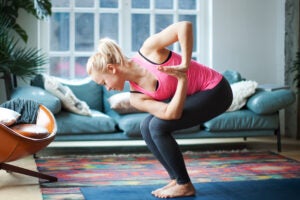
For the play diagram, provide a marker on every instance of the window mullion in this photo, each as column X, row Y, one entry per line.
column 125, row 26
column 152, row 18
column 72, row 40
column 176, row 19
column 96, row 25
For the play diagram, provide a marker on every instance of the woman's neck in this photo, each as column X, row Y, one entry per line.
column 141, row 76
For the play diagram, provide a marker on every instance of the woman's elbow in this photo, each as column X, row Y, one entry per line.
column 187, row 24
column 173, row 116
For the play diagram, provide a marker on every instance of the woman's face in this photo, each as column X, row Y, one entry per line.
column 112, row 80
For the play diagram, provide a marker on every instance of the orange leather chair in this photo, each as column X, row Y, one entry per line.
column 27, row 139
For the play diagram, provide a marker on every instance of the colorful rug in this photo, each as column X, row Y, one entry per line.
column 75, row 171
column 270, row 189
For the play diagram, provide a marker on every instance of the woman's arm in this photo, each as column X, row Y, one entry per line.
column 168, row 111
column 181, row 32
column 154, row 47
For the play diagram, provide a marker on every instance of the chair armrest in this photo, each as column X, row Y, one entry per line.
column 38, row 94
column 268, row 102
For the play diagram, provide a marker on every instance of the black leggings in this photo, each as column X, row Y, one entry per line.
column 198, row 108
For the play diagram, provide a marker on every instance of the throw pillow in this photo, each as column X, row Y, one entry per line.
column 241, row 92
column 69, row 101
column 120, row 102
column 8, row 116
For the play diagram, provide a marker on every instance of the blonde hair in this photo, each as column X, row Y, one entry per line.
column 108, row 52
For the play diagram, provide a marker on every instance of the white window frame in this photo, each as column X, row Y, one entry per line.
column 203, row 52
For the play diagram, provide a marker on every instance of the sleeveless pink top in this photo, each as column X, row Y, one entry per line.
column 199, row 77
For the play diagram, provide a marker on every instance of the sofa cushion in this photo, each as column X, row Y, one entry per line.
column 130, row 123
column 242, row 120
column 268, row 102
column 71, row 123
column 38, row 94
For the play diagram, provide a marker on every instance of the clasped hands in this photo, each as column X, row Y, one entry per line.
column 178, row 71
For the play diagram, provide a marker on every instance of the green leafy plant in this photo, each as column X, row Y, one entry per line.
column 10, row 10
column 17, row 60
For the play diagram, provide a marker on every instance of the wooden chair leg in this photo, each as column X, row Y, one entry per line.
column 12, row 168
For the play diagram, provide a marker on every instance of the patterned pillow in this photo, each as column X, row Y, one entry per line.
column 69, row 101
column 241, row 92
column 120, row 102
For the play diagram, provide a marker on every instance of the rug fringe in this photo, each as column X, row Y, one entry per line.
column 144, row 154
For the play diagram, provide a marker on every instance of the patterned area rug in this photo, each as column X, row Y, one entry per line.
column 76, row 171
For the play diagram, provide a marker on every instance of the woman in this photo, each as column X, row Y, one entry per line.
column 175, row 90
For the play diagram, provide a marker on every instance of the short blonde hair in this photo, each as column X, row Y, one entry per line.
column 108, row 52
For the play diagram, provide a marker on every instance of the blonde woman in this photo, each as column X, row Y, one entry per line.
column 175, row 90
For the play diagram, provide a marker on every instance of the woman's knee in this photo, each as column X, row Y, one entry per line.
column 159, row 127
column 144, row 126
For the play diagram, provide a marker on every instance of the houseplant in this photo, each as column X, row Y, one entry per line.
column 296, row 69
column 16, row 60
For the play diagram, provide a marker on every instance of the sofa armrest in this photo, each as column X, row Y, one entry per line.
column 38, row 94
column 268, row 102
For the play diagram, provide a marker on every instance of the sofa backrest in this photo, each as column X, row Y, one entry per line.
column 88, row 91
column 96, row 96
column 232, row 76
column 84, row 89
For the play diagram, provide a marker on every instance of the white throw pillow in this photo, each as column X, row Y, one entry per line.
column 64, row 93
column 8, row 116
column 241, row 92
column 120, row 102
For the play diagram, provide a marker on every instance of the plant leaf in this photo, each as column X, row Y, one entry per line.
column 20, row 61
column 22, row 33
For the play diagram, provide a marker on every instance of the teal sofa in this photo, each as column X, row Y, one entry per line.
column 259, row 117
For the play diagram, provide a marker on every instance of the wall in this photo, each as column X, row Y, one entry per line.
column 248, row 36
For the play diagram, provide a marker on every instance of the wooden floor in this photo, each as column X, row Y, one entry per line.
column 20, row 187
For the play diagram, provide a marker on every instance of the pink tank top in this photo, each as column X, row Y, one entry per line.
column 199, row 77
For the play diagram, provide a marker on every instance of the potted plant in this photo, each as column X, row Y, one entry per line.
column 15, row 60
column 296, row 69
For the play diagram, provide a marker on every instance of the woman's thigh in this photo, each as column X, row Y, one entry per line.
column 199, row 108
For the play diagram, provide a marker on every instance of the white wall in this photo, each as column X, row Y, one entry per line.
column 248, row 36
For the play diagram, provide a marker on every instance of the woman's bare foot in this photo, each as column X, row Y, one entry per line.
column 170, row 184
column 177, row 191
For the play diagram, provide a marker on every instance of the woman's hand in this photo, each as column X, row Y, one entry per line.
column 178, row 71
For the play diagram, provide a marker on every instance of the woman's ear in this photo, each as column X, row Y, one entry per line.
column 111, row 68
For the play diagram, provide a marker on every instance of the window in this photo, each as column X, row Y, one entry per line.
column 72, row 33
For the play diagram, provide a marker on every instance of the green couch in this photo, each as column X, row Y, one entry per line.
column 259, row 117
